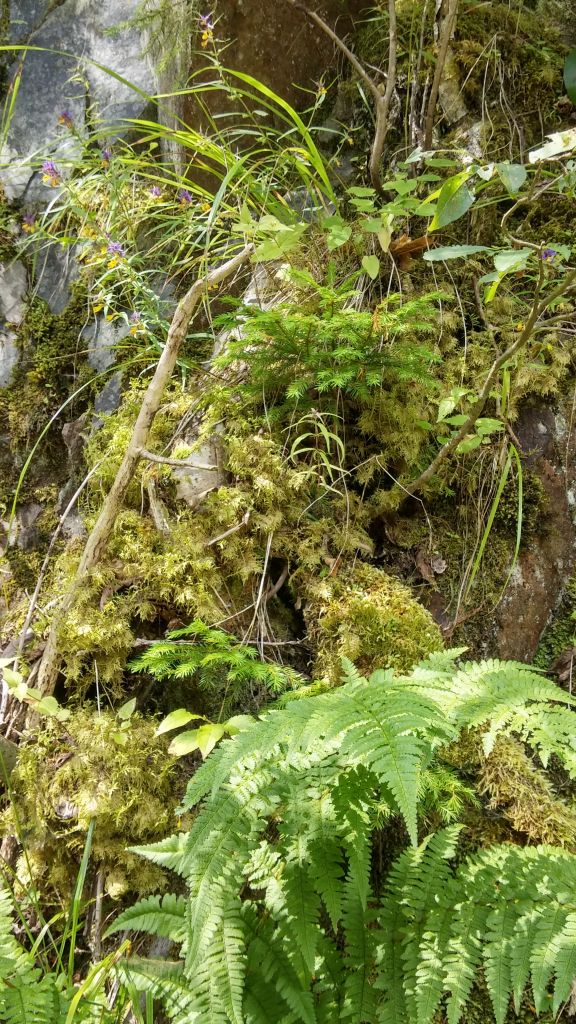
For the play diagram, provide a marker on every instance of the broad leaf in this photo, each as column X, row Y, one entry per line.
column 453, row 252
column 512, row 176
column 371, row 265
column 454, row 200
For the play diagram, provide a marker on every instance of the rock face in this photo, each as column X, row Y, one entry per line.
column 49, row 83
column 13, row 284
column 547, row 564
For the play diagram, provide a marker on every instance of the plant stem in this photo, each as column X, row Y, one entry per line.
column 446, row 29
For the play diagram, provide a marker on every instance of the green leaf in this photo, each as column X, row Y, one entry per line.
column 238, row 723
column 176, row 719
column 485, row 425
column 127, row 709
column 338, row 232
column 570, row 76
column 208, row 736
column 512, row 176
column 371, row 265
column 454, row 200
column 445, row 408
column 453, row 252
column 401, row 185
column 185, row 743
column 508, row 260
column 468, row 444
column 362, row 191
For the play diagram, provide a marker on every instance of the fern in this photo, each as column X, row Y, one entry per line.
column 287, row 918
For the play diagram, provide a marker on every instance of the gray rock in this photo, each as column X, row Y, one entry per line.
column 48, row 84
column 109, row 398
column 55, row 270
column 204, row 475
column 13, row 284
column 9, row 355
column 102, row 337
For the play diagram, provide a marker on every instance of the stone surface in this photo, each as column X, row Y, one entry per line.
column 102, row 337
column 13, row 285
column 49, row 85
column 547, row 563
column 55, row 269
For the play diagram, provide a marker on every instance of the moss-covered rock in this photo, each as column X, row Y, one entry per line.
column 370, row 617
column 88, row 769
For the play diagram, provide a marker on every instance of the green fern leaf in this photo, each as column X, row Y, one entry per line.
column 157, row 915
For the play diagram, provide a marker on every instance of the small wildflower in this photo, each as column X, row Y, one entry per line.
column 207, row 26
column 138, row 325
column 115, row 249
column 50, row 174
column 65, row 118
column 185, row 197
column 548, row 255
column 106, row 158
column 156, row 192
column 205, row 207
column 520, row 327
column 29, row 223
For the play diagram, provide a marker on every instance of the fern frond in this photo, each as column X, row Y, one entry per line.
column 157, row 915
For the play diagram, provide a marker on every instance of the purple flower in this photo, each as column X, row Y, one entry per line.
column 135, row 316
column 50, row 173
column 185, row 197
column 116, row 249
column 548, row 254
column 65, row 118
column 156, row 191
column 106, row 157
column 29, row 223
column 206, row 22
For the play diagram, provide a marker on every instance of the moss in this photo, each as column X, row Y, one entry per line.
column 526, row 797
column 371, row 618
column 71, row 774
column 51, row 369
column 561, row 633
column 535, row 506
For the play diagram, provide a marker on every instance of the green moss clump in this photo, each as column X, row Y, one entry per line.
column 371, row 618
column 81, row 771
column 561, row 634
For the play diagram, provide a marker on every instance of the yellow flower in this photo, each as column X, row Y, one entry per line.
column 207, row 37
column 520, row 327
column 112, row 263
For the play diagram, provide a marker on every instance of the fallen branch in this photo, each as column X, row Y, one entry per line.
column 102, row 530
